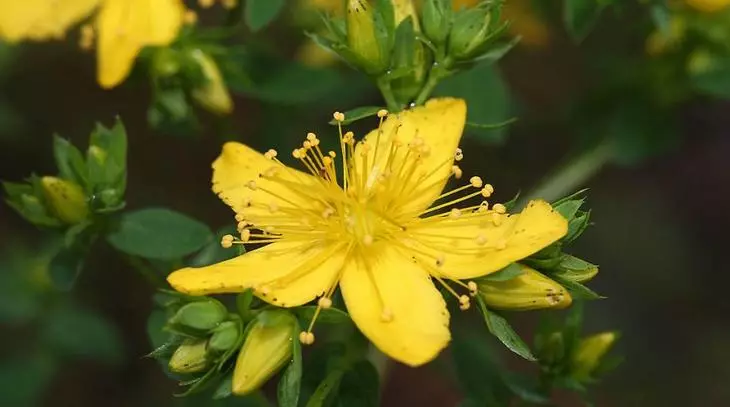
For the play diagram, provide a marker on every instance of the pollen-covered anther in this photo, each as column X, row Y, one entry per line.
column 327, row 161
column 464, row 302
column 241, row 226
column 245, row 235
column 488, row 190
column 496, row 219
column 306, row 338
column 483, row 207
column 227, row 241
column 239, row 217
column 455, row 213
column 499, row 208
column 348, row 138
column 457, row 171
column 382, row 113
column 324, row 302
column 472, row 288
column 311, row 136
column 458, row 155
column 386, row 315
column 332, row 154
column 271, row 154
column 339, row 116
column 476, row 182
column 307, row 144
column 367, row 240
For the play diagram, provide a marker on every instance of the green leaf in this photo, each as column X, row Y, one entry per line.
column 260, row 13
column 360, row 386
column 78, row 332
column 577, row 290
column 326, row 388
column 500, row 328
column 213, row 252
column 155, row 328
column 243, row 305
column 69, row 161
column 507, row 273
column 487, row 98
column 476, row 368
column 65, row 268
column 580, row 16
column 225, row 389
column 158, row 233
column 112, row 173
column 357, row 114
column 330, row 315
column 291, row 380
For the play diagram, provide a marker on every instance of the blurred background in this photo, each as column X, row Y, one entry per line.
column 615, row 113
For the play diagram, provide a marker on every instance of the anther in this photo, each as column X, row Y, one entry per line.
column 307, row 144
column 386, row 315
column 348, row 137
column 472, row 288
column 227, row 241
column 332, row 154
column 311, row 136
column 458, row 155
column 339, row 116
column 382, row 113
column 456, row 171
column 476, row 182
column 489, row 190
column 483, row 207
column 455, row 213
column 499, row 208
column 464, row 302
column 325, row 302
column 245, row 235
column 270, row 154
column 241, row 225
column 239, row 217
column 306, row 338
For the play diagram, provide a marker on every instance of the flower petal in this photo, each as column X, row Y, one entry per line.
column 476, row 246
column 41, row 19
column 440, row 123
column 127, row 26
column 286, row 274
column 419, row 328
column 239, row 164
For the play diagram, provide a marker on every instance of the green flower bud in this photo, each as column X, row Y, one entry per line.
column 97, row 154
column 575, row 269
column 404, row 9
column 409, row 64
column 363, row 39
column 66, row 200
column 470, row 31
column 166, row 62
column 200, row 315
column 190, row 357
column 266, row 349
column 553, row 349
column 528, row 291
column 224, row 337
column 590, row 351
column 436, row 18
column 213, row 94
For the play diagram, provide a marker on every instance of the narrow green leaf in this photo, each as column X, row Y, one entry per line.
column 243, row 305
column 291, row 380
column 500, row 328
column 158, row 233
column 225, row 389
column 507, row 273
column 577, row 290
column 327, row 388
column 260, row 13
column 358, row 113
column 69, row 161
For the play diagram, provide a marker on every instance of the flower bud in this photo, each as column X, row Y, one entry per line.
column 200, row 315
column 470, row 31
column 166, row 62
column 590, row 351
column 574, row 269
column 213, row 94
column 190, row 357
column 97, row 154
column 553, row 349
column 265, row 350
column 528, row 291
column 409, row 62
column 224, row 337
column 404, row 9
column 66, row 200
column 436, row 18
column 363, row 40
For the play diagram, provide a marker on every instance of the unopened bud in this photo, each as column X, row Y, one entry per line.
column 362, row 38
column 590, row 351
column 224, row 337
column 404, row 9
column 470, row 31
column 436, row 18
column 66, row 200
column 528, row 291
column 212, row 94
column 200, row 315
column 267, row 347
column 190, row 357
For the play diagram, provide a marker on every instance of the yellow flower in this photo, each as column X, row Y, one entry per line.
column 124, row 27
column 530, row 290
column 708, row 6
column 379, row 227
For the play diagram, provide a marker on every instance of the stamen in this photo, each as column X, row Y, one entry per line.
column 227, row 241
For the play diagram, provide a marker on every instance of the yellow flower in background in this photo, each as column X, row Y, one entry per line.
column 379, row 227
column 123, row 27
column 708, row 6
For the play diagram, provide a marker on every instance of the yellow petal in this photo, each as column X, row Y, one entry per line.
column 127, row 26
column 473, row 247
column 286, row 274
column 419, row 327
column 440, row 123
column 239, row 164
column 41, row 19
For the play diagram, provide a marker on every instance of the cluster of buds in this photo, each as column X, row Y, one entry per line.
column 186, row 75
column 408, row 50
column 84, row 186
column 205, row 338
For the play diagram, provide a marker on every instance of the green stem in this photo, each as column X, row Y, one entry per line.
column 438, row 72
column 573, row 175
column 387, row 92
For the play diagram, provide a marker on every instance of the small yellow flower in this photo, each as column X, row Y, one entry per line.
column 590, row 352
column 708, row 6
column 379, row 227
column 123, row 27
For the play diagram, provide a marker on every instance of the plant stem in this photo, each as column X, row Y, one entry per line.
column 387, row 92
column 439, row 71
column 572, row 175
